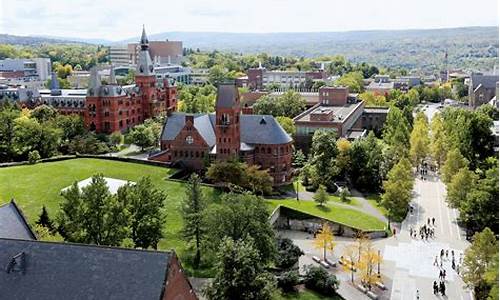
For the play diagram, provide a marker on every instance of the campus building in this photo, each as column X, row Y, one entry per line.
column 107, row 108
column 260, row 77
column 26, row 69
column 190, row 140
column 161, row 53
column 338, row 111
column 482, row 89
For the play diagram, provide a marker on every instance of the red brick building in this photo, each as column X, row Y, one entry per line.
column 107, row 108
column 193, row 139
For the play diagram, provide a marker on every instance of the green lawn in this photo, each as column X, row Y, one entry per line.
column 333, row 212
column 35, row 185
column 305, row 295
column 374, row 200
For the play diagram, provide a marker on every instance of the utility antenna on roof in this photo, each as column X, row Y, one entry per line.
column 17, row 263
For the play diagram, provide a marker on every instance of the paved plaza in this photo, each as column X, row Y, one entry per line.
column 408, row 263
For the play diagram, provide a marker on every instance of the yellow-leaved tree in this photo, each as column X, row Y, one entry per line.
column 324, row 239
column 368, row 264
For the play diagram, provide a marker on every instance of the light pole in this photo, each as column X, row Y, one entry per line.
column 297, row 193
column 378, row 264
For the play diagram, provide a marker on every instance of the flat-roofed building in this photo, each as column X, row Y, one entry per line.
column 119, row 56
column 32, row 68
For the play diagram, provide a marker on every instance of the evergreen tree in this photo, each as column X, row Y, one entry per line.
column 44, row 220
column 321, row 196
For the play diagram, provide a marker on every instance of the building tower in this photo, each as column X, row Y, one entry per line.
column 227, row 122
column 145, row 78
column 92, row 114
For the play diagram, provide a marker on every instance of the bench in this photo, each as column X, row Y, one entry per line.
column 324, row 264
column 372, row 295
column 380, row 285
column 330, row 262
column 361, row 288
column 316, row 259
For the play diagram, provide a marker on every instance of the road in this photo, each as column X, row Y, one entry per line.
column 411, row 259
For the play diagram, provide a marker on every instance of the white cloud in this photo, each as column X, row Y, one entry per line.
column 121, row 19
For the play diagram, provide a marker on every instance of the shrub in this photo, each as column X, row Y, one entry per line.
column 288, row 254
column 33, row 156
column 288, row 280
column 319, row 280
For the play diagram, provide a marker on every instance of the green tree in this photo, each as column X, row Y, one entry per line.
column 93, row 215
column 478, row 259
column 318, row 279
column 44, row 113
column 192, row 209
column 454, row 162
column 44, row 220
column 288, row 254
column 116, row 138
column 397, row 189
column 492, row 279
column 216, row 75
column 419, row 139
column 438, row 145
column 8, row 114
column 396, row 135
column 365, row 165
column 30, row 135
column 240, row 273
column 323, row 157
column 33, row 157
column 352, row 80
column 287, row 124
column 239, row 216
column 321, row 196
column 145, row 205
column 142, row 136
column 460, row 185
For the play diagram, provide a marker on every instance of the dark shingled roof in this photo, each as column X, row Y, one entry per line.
column 227, row 94
column 13, row 224
column 73, row 271
column 254, row 129
column 488, row 81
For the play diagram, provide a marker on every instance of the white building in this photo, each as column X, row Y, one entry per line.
column 33, row 68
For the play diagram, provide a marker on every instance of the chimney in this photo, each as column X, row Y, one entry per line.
column 189, row 118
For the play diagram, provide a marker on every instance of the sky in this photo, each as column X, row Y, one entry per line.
column 121, row 19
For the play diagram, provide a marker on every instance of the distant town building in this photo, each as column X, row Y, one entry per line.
column 19, row 93
column 381, row 85
column 338, row 111
column 32, row 68
column 260, row 77
column 175, row 72
column 120, row 56
column 482, row 89
column 405, row 83
column 199, row 76
column 161, row 52
column 190, row 140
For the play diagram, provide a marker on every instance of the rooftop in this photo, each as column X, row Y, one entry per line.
column 340, row 113
column 13, row 224
column 75, row 271
column 112, row 183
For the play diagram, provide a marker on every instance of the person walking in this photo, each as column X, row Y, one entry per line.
column 446, row 253
column 435, row 287
column 435, row 261
column 440, row 275
column 433, row 220
column 418, row 295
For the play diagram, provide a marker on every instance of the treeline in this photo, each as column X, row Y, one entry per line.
column 32, row 134
column 85, row 56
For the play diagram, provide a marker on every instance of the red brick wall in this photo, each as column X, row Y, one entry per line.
column 177, row 286
column 255, row 78
column 333, row 95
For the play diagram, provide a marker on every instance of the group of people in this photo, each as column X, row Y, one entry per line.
column 425, row 231
column 444, row 255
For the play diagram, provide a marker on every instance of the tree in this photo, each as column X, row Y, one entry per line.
column 477, row 260
column 318, row 279
column 352, row 80
column 371, row 99
column 145, row 203
column 257, row 180
column 492, row 279
column 460, row 185
column 33, row 156
column 239, row 216
column 287, row 124
column 287, row 281
column 396, row 135
column 321, row 196
column 216, row 75
column 289, row 104
column 142, row 136
column 44, row 113
column 397, row 189
column 419, row 139
column 8, row 114
column 44, row 220
column 344, row 194
column 365, row 167
column 288, row 254
column 369, row 259
column 299, row 159
column 93, row 215
column 116, row 138
column 192, row 209
column 438, row 140
column 324, row 239
column 454, row 162
column 240, row 273
column 29, row 134
column 343, row 158
column 351, row 252
column 323, row 157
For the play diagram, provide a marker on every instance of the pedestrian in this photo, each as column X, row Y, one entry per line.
column 458, row 269
column 435, row 261
column 433, row 220
column 441, row 265
column 418, row 295
column 428, row 221
column 452, row 254
column 411, row 231
column 443, row 289
column 453, row 264
column 440, row 274
column 435, row 287
column 446, row 253
column 442, row 253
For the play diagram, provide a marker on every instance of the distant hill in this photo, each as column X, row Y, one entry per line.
column 474, row 48
column 34, row 40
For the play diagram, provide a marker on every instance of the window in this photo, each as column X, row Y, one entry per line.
column 268, row 150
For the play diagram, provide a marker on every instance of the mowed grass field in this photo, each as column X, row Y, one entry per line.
column 33, row 186
column 336, row 213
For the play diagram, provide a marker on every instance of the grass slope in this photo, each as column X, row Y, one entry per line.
column 335, row 213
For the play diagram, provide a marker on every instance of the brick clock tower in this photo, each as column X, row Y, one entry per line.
column 227, row 121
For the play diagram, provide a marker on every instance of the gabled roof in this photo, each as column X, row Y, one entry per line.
column 77, row 271
column 254, row 129
column 13, row 224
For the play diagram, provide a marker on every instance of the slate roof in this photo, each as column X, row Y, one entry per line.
column 77, row 271
column 13, row 224
column 487, row 81
column 254, row 129
column 227, row 95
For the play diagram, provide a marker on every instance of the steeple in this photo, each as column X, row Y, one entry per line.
column 112, row 77
column 144, row 39
column 94, row 82
column 145, row 66
column 54, row 85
